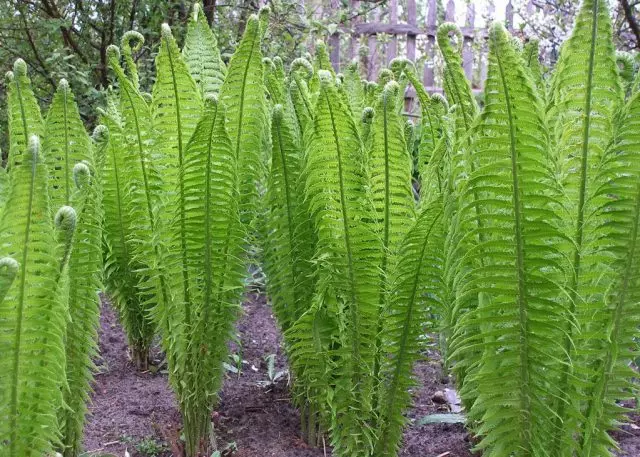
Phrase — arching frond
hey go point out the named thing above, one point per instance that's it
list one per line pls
(176, 108)
(415, 286)
(201, 54)
(243, 95)
(511, 266)
(34, 317)
(289, 231)
(85, 280)
(138, 202)
(456, 85)
(65, 144)
(585, 97)
(23, 112)
(613, 329)
(349, 254)
(138, 40)
(215, 260)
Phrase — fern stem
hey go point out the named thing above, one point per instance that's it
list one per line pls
(287, 192)
(577, 255)
(20, 308)
(353, 308)
(597, 399)
(522, 292)
(67, 165)
(183, 238)
(403, 344)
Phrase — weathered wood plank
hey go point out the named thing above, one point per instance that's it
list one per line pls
(334, 42)
(392, 45)
(467, 48)
(412, 21)
(373, 28)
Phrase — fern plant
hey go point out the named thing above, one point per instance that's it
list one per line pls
(515, 321)
(138, 200)
(215, 265)
(201, 54)
(123, 280)
(73, 181)
(34, 316)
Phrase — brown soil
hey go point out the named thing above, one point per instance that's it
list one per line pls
(133, 411)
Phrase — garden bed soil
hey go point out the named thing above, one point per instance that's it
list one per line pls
(137, 411)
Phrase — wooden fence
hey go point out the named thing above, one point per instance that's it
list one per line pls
(386, 40)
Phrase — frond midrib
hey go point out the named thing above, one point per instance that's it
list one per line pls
(242, 92)
(613, 338)
(183, 236)
(347, 239)
(405, 331)
(522, 292)
(67, 183)
(577, 257)
(287, 191)
(20, 309)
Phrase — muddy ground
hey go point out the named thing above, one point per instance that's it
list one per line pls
(137, 412)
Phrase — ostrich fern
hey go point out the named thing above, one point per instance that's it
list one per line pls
(583, 102)
(74, 181)
(139, 200)
(201, 54)
(33, 269)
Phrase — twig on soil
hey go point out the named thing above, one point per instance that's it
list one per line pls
(103, 446)
(324, 446)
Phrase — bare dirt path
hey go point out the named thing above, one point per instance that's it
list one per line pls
(137, 412)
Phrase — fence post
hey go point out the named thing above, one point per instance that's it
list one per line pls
(354, 38)
(334, 40)
(392, 46)
(372, 71)
(509, 16)
(432, 18)
(411, 38)
(467, 49)
(450, 15)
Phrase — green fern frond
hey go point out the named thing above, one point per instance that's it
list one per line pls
(142, 200)
(85, 280)
(415, 286)
(389, 168)
(349, 254)
(23, 112)
(300, 73)
(201, 54)
(513, 317)
(122, 273)
(65, 144)
(176, 109)
(289, 231)
(243, 95)
(275, 79)
(613, 328)
(530, 54)
(128, 51)
(585, 97)
(215, 263)
(34, 318)
(354, 88)
(456, 85)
